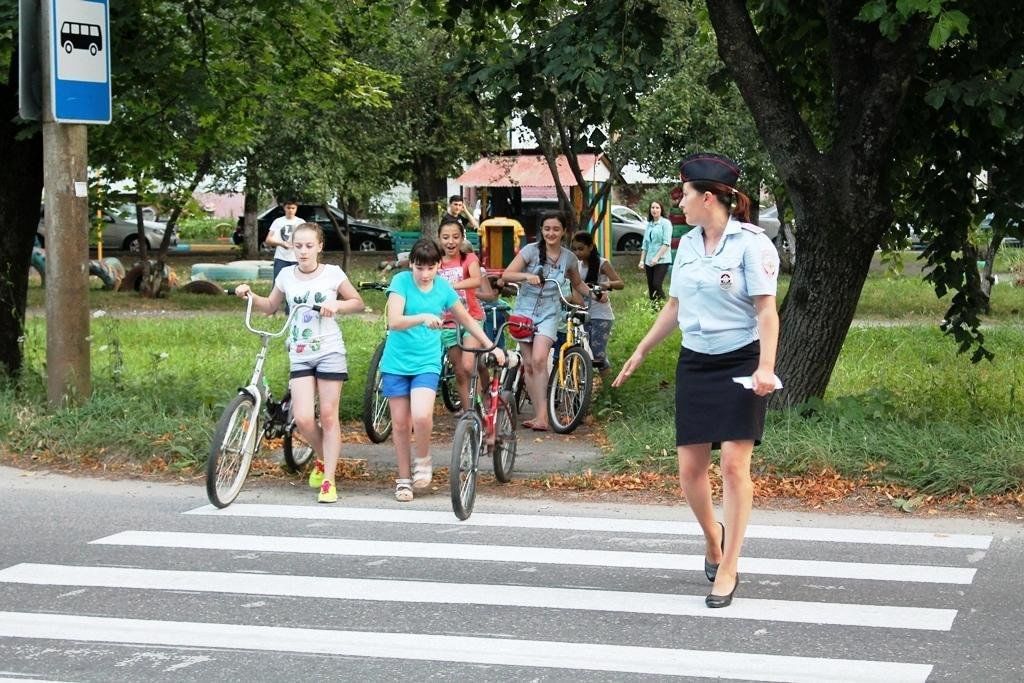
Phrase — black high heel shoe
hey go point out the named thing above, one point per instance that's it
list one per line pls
(711, 570)
(714, 601)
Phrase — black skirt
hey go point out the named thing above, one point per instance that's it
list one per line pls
(710, 407)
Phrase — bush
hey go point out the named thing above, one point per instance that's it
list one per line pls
(196, 229)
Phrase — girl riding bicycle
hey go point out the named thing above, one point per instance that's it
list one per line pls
(539, 301)
(596, 270)
(315, 347)
(411, 364)
(462, 272)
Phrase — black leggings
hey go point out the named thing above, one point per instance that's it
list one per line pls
(655, 278)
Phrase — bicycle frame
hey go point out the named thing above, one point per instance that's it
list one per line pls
(489, 417)
(576, 318)
(257, 386)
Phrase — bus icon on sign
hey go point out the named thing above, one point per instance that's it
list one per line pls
(78, 36)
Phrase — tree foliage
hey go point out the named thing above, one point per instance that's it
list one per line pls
(839, 92)
(574, 70)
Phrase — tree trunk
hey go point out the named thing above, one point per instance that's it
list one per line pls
(431, 187)
(343, 234)
(819, 306)
(837, 186)
(21, 187)
(157, 285)
(250, 232)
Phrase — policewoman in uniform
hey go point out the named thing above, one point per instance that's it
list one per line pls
(722, 298)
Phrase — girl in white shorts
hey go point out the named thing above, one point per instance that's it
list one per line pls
(315, 346)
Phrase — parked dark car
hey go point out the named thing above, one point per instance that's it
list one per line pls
(364, 236)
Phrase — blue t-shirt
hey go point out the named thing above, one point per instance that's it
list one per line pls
(417, 350)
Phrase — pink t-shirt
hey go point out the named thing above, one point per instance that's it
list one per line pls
(453, 271)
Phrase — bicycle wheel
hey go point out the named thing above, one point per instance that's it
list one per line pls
(505, 438)
(569, 391)
(376, 413)
(465, 458)
(297, 450)
(449, 387)
(230, 452)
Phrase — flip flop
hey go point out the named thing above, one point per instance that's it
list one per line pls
(538, 429)
(528, 424)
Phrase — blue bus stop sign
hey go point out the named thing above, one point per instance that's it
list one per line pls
(80, 67)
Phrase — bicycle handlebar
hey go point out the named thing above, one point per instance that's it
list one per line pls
(291, 314)
(379, 286)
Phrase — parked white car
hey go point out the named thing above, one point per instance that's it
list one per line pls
(121, 232)
(769, 220)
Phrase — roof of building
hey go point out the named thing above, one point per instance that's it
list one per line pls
(529, 170)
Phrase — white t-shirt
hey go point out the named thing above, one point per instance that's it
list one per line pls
(310, 335)
(599, 310)
(282, 228)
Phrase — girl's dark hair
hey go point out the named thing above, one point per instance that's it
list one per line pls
(734, 201)
(426, 252)
(593, 260)
(546, 216)
(650, 216)
(452, 221)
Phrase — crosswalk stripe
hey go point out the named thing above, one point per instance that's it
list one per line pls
(636, 526)
(538, 555)
(463, 649)
(404, 591)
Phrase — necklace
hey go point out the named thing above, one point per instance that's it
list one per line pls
(308, 272)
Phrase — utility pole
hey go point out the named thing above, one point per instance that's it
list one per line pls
(68, 376)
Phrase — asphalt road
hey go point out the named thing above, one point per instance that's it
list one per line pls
(129, 580)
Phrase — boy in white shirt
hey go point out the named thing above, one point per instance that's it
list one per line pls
(280, 236)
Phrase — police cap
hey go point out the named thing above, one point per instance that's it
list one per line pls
(706, 166)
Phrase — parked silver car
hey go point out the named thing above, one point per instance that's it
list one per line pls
(120, 232)
(627, 228)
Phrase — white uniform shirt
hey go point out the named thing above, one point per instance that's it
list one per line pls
(715, 293)
(282, 228)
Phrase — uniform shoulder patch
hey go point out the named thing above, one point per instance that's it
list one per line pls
(756, 229)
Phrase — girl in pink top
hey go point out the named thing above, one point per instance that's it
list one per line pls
(462, 271)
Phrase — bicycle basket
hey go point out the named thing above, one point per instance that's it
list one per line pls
(520, 327)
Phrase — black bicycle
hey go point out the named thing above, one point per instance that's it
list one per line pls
(376, 412)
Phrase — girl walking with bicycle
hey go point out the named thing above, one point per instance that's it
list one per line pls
(462, 272)
(316, 349)
(411, 364)
(539, 303)
(597, 271)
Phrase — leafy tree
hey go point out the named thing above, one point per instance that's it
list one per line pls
(575, 70)
(433, 125)
(210, 82)
(693, 105)
(840, 93)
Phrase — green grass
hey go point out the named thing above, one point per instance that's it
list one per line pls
(901, 406)
(158, 386)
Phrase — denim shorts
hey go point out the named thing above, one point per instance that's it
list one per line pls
(333, 366)
(396, 386)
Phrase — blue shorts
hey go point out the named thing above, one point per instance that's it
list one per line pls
(397, 386)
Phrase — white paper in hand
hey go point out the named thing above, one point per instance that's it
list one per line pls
(748, 382)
